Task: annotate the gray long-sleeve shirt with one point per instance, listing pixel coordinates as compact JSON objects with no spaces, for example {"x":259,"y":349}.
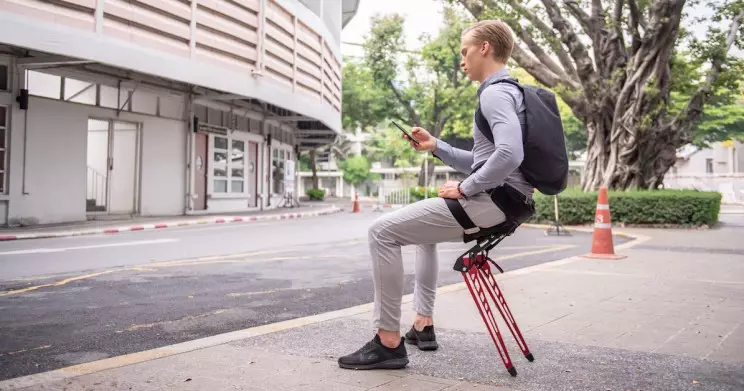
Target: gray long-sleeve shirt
{"x":502,"y":105}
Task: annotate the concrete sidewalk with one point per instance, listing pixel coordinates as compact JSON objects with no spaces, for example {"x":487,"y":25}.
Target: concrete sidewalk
{"x":667,"y":317}
{"x":98,"y":227}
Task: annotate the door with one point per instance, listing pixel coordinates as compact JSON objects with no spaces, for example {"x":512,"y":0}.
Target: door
{"x":123,"y":168}
{"x":112,"y":166}
{"x":253,"y":173}
{"x":200,"y":176}
{"x":98,"y":158}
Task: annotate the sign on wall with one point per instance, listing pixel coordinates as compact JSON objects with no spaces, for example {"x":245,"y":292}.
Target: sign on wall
{"x":289,"y":170}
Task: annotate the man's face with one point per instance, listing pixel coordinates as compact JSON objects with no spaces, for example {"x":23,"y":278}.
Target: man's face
{"x":472,"y":53}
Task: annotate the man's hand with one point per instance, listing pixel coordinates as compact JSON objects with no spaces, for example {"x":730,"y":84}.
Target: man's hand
{"x":449,"y":190}
{"x":426,"y":141}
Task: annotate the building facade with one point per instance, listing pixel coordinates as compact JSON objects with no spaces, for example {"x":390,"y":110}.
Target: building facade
{"x":115,"y":108}
{"x":717,"y":168}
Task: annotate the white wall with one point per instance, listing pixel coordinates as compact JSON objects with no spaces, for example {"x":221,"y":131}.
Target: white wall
{"x":56,"y":164}
{"x":163,"y":167}
{"x":696,"y":163}
{"x":722,"y":160}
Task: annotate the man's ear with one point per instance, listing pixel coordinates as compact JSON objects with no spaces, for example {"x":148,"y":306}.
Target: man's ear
{"x":484,"y":47}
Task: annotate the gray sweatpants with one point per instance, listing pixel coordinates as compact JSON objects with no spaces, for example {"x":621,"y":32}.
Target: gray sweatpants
{"x":424,"y":224}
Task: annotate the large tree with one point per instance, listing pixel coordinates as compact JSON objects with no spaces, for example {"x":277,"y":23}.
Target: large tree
{"x":616,"y":64}
{"x":431,"y":89}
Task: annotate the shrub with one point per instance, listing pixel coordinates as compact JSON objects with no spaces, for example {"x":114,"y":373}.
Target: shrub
{"x":417,"y":193}
{"x":316,"y":194}
{"x":637,"y":207}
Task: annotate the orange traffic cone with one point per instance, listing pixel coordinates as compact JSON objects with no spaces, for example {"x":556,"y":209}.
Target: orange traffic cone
{"x":602,"y":242}
{"x":356,"y":208}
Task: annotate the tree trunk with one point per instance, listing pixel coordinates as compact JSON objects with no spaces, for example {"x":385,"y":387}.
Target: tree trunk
{"x":598,"y":130}
{"x":643,"y":158}
{"x":314,"y":169}
{"x":632,"y":141}
{"x":424,"y":180}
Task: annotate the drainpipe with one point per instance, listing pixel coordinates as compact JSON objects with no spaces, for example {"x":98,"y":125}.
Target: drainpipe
{"x":190,"y":150}
{"x":23,"y":81}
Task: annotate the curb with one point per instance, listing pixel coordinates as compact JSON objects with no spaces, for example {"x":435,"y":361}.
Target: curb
{"x":175,"y":224}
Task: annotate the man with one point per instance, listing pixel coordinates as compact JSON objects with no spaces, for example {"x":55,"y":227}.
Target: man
{"x":485,"y":49}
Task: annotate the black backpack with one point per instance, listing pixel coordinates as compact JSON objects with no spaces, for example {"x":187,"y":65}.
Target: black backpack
{"x":545,"y":164}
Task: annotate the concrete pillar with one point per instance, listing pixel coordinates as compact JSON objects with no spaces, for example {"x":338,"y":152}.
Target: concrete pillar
{"x":732,"y":159}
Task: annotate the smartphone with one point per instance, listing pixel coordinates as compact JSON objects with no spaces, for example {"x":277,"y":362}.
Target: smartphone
{"x":406,"y":133}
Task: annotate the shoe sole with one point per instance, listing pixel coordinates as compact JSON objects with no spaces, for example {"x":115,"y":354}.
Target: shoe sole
{"x":396,"y":363}
{"x":423,"y":345}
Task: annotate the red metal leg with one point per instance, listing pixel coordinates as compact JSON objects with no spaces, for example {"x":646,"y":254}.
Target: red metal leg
{"x":475,"y":286}
{"x":498,"y":298}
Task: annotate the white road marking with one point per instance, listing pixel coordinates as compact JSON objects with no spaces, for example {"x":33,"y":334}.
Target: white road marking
{"x":63,"y":249}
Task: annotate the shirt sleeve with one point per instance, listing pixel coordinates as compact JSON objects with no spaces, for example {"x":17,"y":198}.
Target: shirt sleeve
{"x":459,"y":159}
{"x":499,"y":107}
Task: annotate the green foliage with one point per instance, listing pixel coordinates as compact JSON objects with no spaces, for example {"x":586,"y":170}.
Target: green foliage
{"x":723,"y":117}
{"x":304,"y":162}
{"x":642,"y":207}
{"x":387,"y":145}
{"x":315,"y":194}
{"x":357,"y":170}
{"x":364,"y":103}
{"x":427,"y":88}
{"x":418,"y":192}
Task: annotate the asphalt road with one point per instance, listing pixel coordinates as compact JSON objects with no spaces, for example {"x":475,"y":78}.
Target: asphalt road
{"x":74,"y":300}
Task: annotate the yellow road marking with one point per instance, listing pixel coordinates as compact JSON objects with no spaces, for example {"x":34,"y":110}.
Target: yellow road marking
{"x":59,"y":283}
{"x":155,"y":267}
{"x":25,"y":350}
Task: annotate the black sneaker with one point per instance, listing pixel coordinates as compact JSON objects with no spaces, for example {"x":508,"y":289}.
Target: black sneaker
{"x":375,"y":355}
{"x":424,"y":339}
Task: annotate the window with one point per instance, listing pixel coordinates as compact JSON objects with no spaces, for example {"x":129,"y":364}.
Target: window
{"x":219,"y":165}
{"x":3,"y":143}
{"x":4,"y":77}
{"x":709,"y":166}
{"x":228,"y":173}
{"x":237,"y":167}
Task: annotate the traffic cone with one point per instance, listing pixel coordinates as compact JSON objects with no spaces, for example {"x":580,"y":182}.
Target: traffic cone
{"x":356,"y":208}
{"x":602,"y":242}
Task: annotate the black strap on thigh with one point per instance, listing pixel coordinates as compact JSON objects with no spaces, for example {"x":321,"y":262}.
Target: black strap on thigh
{"x":459,"y":214}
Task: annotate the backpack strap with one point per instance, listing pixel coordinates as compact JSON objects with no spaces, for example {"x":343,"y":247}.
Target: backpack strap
{"x":481,"y":121}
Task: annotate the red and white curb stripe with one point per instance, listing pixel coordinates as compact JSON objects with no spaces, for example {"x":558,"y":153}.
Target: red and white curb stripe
{"x":174,"y":224}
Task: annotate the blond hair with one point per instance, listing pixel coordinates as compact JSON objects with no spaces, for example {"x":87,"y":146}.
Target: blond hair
{"x":497,"y":33}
